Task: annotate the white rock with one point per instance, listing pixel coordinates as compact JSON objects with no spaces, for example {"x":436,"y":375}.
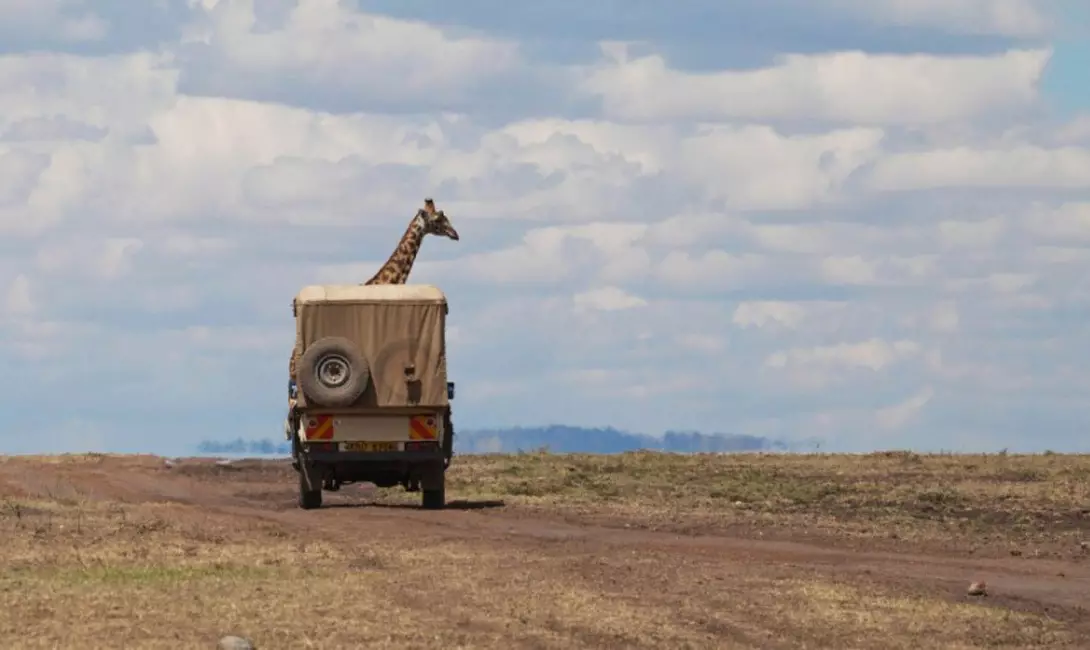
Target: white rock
{"x":235,"y":643}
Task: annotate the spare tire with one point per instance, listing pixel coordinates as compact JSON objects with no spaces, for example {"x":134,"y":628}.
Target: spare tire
{"x":333,"y":372}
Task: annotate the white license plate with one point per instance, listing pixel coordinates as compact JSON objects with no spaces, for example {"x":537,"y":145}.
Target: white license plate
{"x":368,"y":446}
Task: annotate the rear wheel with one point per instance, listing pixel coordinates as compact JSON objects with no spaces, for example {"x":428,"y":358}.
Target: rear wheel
{"x":434,"y":489}
{"x":308,"y":499}
{"x":434,"y":499}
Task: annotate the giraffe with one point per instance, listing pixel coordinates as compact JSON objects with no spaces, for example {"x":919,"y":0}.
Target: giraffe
{"x":426,"y":221}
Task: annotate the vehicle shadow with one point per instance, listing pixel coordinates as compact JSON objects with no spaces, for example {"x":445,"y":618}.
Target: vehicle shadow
{"x":458,"y":504}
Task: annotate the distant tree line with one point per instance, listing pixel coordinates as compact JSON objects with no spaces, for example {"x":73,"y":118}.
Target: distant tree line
{"x":240,"y":446}
{"x":557,"y":439}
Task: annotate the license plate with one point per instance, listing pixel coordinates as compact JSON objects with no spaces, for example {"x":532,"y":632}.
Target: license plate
{"x":369,"y":446}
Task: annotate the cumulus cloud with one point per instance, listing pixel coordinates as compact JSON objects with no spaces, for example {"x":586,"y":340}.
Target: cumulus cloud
{"x":830,"y":241}
{"x":1067,"y":222}
{"x":334,"y":54}
{"x":765,"y":313}
{"x":874,"y":354}
{"x":899,"y":415}
{"x":607,"y":299}
{"x":1019,"y":166}
{"x":850,"y":86}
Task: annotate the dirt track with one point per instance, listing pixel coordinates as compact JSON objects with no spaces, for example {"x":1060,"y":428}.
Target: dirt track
{"x":662,"y":570}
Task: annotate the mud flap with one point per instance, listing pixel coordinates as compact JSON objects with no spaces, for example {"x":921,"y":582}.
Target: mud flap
{"x":311,"y":480}
{"x":448,"y":439}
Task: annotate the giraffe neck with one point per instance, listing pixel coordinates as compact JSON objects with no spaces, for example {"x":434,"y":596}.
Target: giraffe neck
{"x":397,"y":267}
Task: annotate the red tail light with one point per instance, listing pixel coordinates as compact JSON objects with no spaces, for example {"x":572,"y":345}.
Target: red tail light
{"x":421,"y":446}
{"x":323,"y":446}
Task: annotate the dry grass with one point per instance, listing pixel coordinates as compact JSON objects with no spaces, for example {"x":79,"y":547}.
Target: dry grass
{"x":78,"y":571}
{"x":1024,"y":498}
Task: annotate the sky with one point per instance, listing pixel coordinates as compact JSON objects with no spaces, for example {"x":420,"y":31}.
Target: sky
{"x":864,"y":221}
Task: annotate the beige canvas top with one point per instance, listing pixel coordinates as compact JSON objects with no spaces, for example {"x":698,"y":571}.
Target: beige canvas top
{"x":400,"y":329}
{"x":370,"y":293}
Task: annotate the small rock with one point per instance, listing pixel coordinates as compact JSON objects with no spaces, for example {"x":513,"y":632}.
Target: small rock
{"x":235,"y":643}
{"x":978,"y":589}
{"x":1016,"y":553}
{"x":1084,"y":546}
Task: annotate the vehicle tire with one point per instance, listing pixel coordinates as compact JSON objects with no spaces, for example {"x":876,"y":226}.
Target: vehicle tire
{"x":308,"y":499}
{"x":434,"y":489}
{"x":333,"y":372}
{"x":434,"y":499}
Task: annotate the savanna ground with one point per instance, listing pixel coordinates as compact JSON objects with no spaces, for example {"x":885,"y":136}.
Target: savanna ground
{"x":638,"y":550}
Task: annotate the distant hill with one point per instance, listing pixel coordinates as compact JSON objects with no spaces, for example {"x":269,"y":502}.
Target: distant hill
{"x":566,"y":439}
{"x":556,"y":439}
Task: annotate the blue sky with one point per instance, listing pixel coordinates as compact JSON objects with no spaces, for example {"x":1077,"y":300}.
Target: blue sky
{"x":866,"y":221}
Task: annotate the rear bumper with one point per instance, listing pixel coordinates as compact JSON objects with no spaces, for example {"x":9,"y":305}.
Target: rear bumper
{"x":358,"y":457}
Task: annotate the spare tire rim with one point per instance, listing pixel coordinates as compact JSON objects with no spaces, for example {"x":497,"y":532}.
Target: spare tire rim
{"x":333,"y":370}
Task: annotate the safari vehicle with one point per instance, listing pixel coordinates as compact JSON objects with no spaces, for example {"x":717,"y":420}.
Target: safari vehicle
{"x":372,"y":401}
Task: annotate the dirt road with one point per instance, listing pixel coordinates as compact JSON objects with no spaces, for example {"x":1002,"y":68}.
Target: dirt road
{"x":491,"y":573}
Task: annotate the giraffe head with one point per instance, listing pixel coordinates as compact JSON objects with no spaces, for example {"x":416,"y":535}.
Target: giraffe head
{"x":435,"y":221}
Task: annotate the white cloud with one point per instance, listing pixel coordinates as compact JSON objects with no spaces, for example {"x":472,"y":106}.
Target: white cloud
{"x":19,"y":173}
{"x":890,"y":270}
{"x":106,"y":259}
{"x":640,"y":144}
{"x":119,"y":92}
{"x":873,"y":354}
{"x":713,"y":269}
{"x":1077,"y":130}
{"x":944,"y":317}
{"x":754,"y":167}
{"x":765,"y":313}
{"x":982,"y":234}
{"x":328,"y":45}
{"x":607,"y":299}
{"x":1066,"y":223}
{"x":687,"y":230}
{"x":702,"y":343}
{"x":543,"y":257}
{"x":898,"y":415}
{"x":1019,"y":166}
{"x":999,"y":282}
{"x":849,"y":86}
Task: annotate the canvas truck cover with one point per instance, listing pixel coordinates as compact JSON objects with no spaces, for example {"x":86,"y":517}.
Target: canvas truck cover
{"x":399,"y":329}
